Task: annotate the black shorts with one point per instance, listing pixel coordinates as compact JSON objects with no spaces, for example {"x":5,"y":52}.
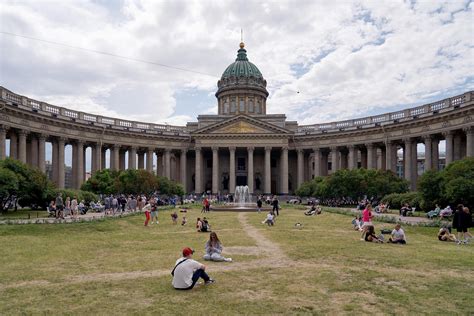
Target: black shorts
{"x":461,"y":230}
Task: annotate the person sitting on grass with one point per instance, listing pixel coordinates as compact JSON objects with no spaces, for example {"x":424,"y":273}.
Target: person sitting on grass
{"x":397,"y":236}
{"x":371,"y":237}
{"x":313,"y":210}
{"x":445,"y":235}
{"x":187,"y":272}
{"x":270,"y":220}
{"x":174,"y":218}
{"x":184,"y":221}
{"x":214,"y":249}
{"x":357,"y":223}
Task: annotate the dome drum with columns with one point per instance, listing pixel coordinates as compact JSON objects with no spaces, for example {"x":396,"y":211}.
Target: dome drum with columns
{"x":242,"y":88}
{"x":241,"y":145}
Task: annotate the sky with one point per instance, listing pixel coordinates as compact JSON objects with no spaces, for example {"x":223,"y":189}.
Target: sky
{"x":346,"y":59}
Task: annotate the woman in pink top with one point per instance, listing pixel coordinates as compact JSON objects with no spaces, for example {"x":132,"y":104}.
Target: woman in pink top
{"x":367,"y":219}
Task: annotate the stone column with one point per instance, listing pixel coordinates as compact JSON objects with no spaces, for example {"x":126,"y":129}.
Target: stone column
{"x":42,"y":153}
{"x":334,"y":159}
{"x":250,"y":174}
{"x":141,"y":160}
{"x":284,"y":170}
{"x":300,"y":167}
{"x":115,"y":157}
{"x":428,"y":152}
{"x":159,"y":163}
{"x":96,"y":152}
{"x":182,"y":169}
{"x":435,"y":153}
{"x":390,"y":156}
{"x":268,"y":170}
{"x":457,"y":148}
{"x":449,"y":147}
{"x":60,"y":164}
{"x":132,"y":158}
{"x":167,"y":163}
{"x":317,"y":162}
{"x":3,"y":140}
{"x":103,"y":159}
{"x":344,"y":159}
{"x":414,"y":167}
{"x":149,"y":159}
{"x":22,"y":145}
{"x":324,"y":163}
{"x":469,"y":141}
{"x":33,"y":151}
{"x":80,"y":163}
{"x":232,"y":170}
{"x":13,"y":145}
{"x":121,"y":159}
{"x":371,"y":156}
{"x":215,"y":170}
{"x":407,"y":160}
{"x":363,"y":158}
{"x":383,"y":158}
{"x":198,"y":172}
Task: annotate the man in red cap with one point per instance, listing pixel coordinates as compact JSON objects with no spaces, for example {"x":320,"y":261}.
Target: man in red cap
{"x":187,"y":271}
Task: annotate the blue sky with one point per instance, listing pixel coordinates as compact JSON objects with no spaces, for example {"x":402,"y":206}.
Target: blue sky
{"x":346,"y":58}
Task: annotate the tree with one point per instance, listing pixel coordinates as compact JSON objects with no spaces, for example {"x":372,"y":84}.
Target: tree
{"x":102,"y":182}
{"x":34,"y":189}
{"x":9,"y":185}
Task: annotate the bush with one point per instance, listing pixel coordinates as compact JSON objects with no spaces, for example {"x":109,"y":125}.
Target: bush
{"x":355,"y":184}
{"x":396,"y":200}
{"x":453,"y":185}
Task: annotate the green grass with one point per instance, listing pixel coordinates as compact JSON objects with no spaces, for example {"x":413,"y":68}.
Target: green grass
{"x":23,"y":214}
{"x":102,"y":268}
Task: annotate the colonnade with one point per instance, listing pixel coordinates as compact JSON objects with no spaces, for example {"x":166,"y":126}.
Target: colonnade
{"x":30,"y":148}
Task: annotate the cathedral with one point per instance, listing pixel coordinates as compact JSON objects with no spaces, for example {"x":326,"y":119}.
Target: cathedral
{"x":241,"y":145}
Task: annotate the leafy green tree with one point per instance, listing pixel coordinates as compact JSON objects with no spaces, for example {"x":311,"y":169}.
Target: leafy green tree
{"x":9,"y":185}
{"x":102,"y":182}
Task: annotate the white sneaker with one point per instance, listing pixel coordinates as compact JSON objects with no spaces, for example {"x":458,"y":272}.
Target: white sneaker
{"x":228,"y":259}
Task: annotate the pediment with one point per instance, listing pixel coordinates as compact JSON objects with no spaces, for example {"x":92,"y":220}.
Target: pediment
{"x":242,"y":124}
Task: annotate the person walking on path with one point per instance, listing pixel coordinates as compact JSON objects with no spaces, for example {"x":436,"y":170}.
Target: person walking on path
{"x":187,"y":272}
{"x":147,"y":214}
{"x":275,"y":206}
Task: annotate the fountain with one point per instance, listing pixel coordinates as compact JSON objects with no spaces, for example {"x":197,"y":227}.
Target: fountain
{"x":242,"y":202}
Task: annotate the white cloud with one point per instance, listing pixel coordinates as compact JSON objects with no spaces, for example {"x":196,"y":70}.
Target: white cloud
{"x":345,"y":59}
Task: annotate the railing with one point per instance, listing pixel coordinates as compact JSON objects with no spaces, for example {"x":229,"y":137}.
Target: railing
{"x":60,"y":112}
{"x":427,"y":109}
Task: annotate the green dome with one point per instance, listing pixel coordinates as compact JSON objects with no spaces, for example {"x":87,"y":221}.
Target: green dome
{"x":242,"y":67}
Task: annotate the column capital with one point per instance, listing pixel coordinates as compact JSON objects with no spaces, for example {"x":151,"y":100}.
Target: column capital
{"x":369,"y":145}
{"x":184,"y":150}
{"x":351,"y":146}
{"x":250,"y":148}
{"x":61,"y":139}
{"x":133,"y":147}
{"x":427,"y":138}
{"x":448,"y":133}
{"x":4,"y":128}
{"x":299,"y":150}
{"x":284,"y":148}
{"x":116,"y":146}
{"x":468,"y":130}
{"x":197,"y":149}
{"x":215,"y":148}
{"x":317,"y":150}
{"x":23,"y":132}
{"x":42,"y":137}
{"x":268,"y":148}
{"x":407,"y":140}
{"x":232,"y":148}
{"x":79,"y":141}
{"x":333,"y":148}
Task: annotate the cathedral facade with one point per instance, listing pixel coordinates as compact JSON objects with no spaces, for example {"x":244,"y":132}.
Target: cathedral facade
{"x":241,"y":145}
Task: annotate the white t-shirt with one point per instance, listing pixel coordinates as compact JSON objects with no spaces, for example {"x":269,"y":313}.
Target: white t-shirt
{"x":269,"y":217}
{"x":398,"y":234}
{"x":183,"y":275}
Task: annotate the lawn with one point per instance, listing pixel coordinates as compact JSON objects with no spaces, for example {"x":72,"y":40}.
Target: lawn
{"x":117,"y":266}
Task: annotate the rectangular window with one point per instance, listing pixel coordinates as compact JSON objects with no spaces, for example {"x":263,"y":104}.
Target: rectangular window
{"x":259,"y":110}
{"x":251,"y":105}
{"x":232,"y":105}
{"x":242,"y":105}
{"x":226,"y":107}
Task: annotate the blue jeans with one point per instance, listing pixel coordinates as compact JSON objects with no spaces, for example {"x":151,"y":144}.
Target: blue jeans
{"x":199,"y":273}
